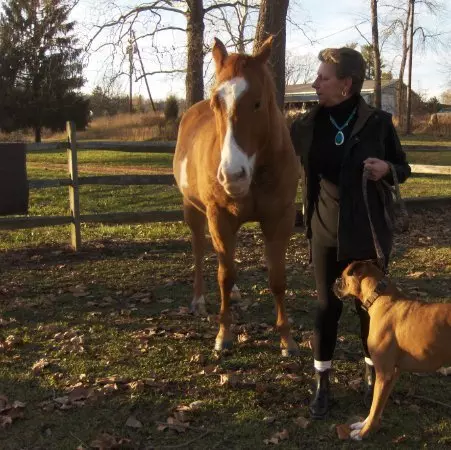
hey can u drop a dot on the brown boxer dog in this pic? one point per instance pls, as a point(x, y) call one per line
point(405, 335)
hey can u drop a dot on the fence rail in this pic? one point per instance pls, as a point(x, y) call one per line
point(74, 182)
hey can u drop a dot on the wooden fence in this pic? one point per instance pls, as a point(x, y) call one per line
point(74, 182)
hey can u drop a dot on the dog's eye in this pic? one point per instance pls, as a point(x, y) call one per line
point(256, 106)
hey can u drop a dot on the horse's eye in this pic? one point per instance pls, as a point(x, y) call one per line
point(256, 106)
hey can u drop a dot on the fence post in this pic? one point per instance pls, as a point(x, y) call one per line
point(74, 199)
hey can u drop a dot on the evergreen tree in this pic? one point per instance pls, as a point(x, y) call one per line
point(40, 69)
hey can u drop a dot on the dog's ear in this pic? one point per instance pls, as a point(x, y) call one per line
point(356, 268)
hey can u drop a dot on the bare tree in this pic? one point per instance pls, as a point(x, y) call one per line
point(154, 19)
point(445, 97)
point(272, 21)
point(300, 68)
point(376, 55)
point(400, 16)
point(237, 23)
point(194, 80)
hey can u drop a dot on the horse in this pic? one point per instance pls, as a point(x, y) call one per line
point(234, 163)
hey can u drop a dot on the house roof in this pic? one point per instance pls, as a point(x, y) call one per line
point(305, 92)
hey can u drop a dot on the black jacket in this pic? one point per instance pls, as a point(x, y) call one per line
point(373, 135)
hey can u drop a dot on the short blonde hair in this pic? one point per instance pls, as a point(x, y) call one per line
point(348, 63)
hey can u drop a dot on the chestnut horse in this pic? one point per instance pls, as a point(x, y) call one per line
point(234, 163)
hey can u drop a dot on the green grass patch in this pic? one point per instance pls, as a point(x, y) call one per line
point(436, 158)
point(124, 299)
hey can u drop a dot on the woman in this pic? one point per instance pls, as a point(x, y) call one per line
point(336, 141)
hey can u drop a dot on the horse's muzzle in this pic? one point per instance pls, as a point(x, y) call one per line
point(235, 184)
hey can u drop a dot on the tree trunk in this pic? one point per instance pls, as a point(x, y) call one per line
point(37, 134)
point(402, 67)
point(272, 20)
point(409, 82)
point(194, 81)
point(376, 56)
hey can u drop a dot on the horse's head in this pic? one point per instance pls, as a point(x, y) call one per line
point(241, 100)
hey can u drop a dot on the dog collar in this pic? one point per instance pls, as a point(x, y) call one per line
point(378, 291)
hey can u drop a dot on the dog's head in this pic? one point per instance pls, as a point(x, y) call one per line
point(350, 283)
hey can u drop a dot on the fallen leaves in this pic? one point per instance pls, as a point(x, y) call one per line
point(9, 412)
point(10, 342)
point(173, 423)
point(343, 431)
point(107, 441)
point(277, 437)
point(38, 366)
point(133, 422)
point(70, 341)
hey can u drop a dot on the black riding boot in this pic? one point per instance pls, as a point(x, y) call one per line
point(369, 379)
point(319, 406)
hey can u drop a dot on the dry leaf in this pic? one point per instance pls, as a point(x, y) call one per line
point(197, 358)
point(194, 406)
point(355, 384)
point(133, 422)
point(444, 371)
point(136, 386)
point(228, 379)
point(269, 419)
point(400, 439)
point(343, 431)
point(39, 365)
point(5, 421)
point(415, 275)
point(243, 337)
point(104, 442)
point(211, 368)
point(302, 422)
point(277, 437)
point(79, 393)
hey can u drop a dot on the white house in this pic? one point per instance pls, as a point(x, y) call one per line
point(303, 96)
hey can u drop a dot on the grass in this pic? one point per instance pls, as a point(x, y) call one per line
point(127, 296)
point(123, 300)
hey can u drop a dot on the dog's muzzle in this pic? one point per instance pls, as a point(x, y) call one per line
point(338, 287)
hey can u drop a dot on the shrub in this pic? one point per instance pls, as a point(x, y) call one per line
point(171, 108)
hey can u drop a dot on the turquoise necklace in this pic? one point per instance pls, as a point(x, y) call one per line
point(340, 137)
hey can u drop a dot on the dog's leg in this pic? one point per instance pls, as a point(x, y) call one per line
point(382, 389)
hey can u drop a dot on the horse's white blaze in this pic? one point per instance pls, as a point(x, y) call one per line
point(184, 173)
point(230, 91)
point(233, 158)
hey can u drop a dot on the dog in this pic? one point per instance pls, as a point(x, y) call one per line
point(404, 336)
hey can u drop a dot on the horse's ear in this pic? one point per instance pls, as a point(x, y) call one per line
point(264, 51)
point(219, 54)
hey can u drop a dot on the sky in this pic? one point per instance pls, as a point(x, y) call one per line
point(329, 23)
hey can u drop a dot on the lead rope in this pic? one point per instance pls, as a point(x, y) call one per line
point(403, 216)
point(377, 245)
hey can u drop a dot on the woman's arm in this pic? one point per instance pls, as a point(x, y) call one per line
point(394, 154)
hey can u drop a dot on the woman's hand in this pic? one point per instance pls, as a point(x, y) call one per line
point(377, 168)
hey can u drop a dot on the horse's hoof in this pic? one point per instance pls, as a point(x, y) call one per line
point(223, 345)
point(288, 352)
point(355, 435)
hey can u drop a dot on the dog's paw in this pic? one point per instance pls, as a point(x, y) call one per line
point(358, 425)
point(355, 435)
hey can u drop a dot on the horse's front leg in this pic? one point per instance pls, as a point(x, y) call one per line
point(223, 228)
point(277, 234)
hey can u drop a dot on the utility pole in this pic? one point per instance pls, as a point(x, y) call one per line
point(130, 60)
point(409, 82)
point(144, 73)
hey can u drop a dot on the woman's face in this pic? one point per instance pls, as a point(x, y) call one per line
point(329, 88)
